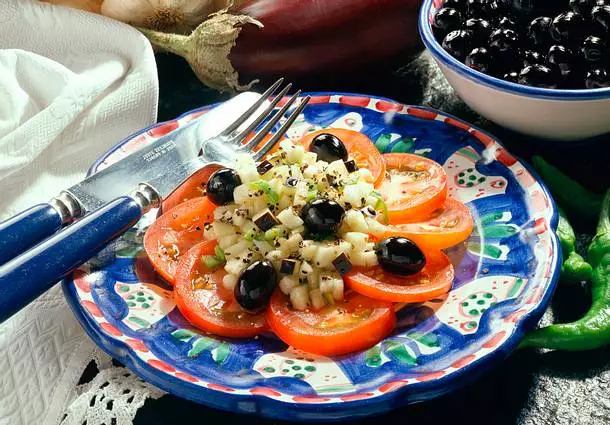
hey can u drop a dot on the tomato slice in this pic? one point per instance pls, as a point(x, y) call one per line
point(359, 148)
point(206, 304)
point(175, 232)
point(193, 187)
point(413, 187)
point(433, 280)
point(444, 228)
point(354, 324)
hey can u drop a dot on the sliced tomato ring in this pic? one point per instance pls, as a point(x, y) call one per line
point(413, 187)
point(434, 280)
point(444, 228)
point(359, 148)
point(353, 324)
point(193, 187)
point(175, 232)
point(206, 304)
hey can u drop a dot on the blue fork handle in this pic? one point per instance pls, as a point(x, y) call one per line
point(26, 277)
point(26, 229)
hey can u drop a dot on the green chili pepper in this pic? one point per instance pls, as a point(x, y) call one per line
point(593, 329)
point(571, 195)
point(574, 269)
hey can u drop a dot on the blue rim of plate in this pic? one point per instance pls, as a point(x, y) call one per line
point(337, 411)
point(427, 36)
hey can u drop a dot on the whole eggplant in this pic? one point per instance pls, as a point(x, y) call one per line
point(323, 36)
point(297, 39)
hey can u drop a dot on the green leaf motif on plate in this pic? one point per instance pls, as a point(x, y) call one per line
point(491, 251)
point(183, 334)
point(372, 357)
point(499, 231)
point(399, 352)
point(403, 146)
point(201, 344)
point(220, 353)
point(429, 340)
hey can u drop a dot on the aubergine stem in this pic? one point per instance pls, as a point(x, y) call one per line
point(207, 48)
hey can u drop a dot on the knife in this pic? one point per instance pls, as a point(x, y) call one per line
point(107, 203)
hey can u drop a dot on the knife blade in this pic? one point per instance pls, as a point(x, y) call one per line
point(174, 154)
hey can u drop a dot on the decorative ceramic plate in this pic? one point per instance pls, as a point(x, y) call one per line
point(505, 276)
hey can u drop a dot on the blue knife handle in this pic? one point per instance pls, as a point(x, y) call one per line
point(26, 277)
point(26, 229)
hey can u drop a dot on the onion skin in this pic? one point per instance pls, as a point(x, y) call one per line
point(321, 36)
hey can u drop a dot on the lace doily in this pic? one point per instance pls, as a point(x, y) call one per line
point(113, 396)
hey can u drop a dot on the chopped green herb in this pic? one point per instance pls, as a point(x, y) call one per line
point(211, 262)
point(220, 253)
point(271, 194)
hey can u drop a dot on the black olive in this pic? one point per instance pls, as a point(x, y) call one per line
point(221, 185)
point(597, 78)
point(538, 75)
point(504, 45)
point(460, 5)
point(400, 256)
point(512, 76)
point(507, 23)
point(255, 286)
point(457, 43)
point(486, 9)
point(601, 18)
point(537, 7)
point(539, 31)
point(593, 49)
point(563, 58)
point(568, 28)
point(530, 57)
point(479, 59)
point(480, 29)
point(322, 216)
point(583, 7)
point(328, 147)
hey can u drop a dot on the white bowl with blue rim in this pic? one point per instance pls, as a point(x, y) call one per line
point(546, 113)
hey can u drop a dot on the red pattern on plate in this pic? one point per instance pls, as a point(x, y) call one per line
point(484, 138)
point(265, 391)
point(161, 365)
point(458, 124)
point(355, 101)
point(464, 361)
point(495, 340)
point(186, 377)
point(430, 376)
point(92, 308)
point(108, 328)
point(422, 113)
point(354, 397)
point(392, 386)
point(219, 387)
point(80, 280)
point(137, 345)
point(163, 129)
point(309, 399)
point(385, 106)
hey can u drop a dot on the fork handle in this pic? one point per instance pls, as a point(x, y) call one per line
point(26, 277)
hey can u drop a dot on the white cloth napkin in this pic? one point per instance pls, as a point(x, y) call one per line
point(72, 84)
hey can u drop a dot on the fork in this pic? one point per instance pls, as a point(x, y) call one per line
point(28, 275)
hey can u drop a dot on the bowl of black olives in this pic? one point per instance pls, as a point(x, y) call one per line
point(538, 67)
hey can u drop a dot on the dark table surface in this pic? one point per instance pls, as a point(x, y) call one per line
point(530, 387)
